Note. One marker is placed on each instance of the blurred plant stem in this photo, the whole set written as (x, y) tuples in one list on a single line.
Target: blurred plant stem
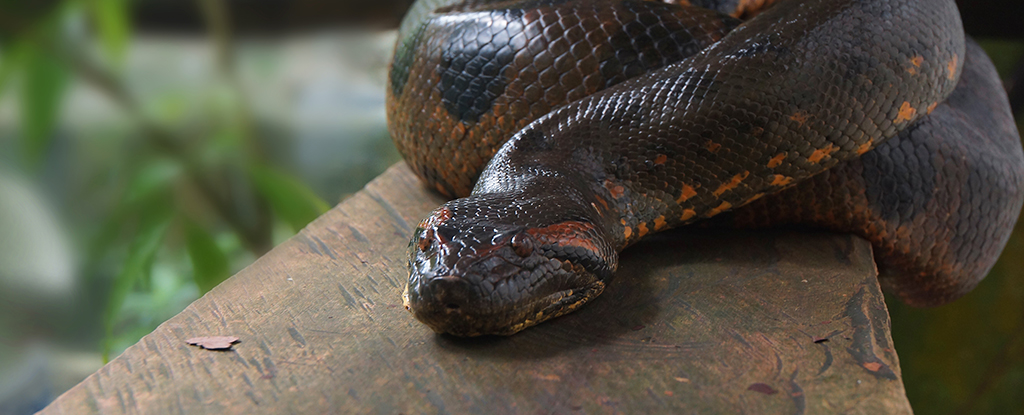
[(183, 187), (255, 232)]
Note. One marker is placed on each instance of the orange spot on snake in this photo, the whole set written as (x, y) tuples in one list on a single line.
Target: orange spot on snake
[(712, 146), (777, 160), (932, 107), (659, 223), (951, 67), (906, 113), (863, 148), (800, 117), (821, 153), (916, 62), (641, 230), (661, 159), (780, 180), (687, 214), (718, 209), (688, 192), (731, 184), (872, 366), (615, 189), (627, 232)]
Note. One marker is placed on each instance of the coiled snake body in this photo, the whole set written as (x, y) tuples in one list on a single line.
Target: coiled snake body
[(609, 120)]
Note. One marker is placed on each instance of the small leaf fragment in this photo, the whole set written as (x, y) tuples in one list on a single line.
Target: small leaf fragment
[(213, 342)]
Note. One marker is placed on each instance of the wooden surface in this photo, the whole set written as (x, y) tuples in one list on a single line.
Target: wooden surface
[(696, 321)]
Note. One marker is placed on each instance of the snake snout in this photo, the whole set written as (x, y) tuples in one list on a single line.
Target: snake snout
[(444, 295), (448, 304)]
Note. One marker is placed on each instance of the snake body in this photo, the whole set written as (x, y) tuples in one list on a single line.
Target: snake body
[(609, 120)]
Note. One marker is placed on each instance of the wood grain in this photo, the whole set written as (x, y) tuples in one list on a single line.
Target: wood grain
[(695, 321)]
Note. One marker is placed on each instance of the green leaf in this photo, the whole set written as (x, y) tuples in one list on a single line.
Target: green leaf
[(112, 23), (42, 92), (209, 263), (138, 264), (156, 177), (11, 57), (290, 199)]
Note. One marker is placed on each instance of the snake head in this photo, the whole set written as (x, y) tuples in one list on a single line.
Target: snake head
[(473, 272)]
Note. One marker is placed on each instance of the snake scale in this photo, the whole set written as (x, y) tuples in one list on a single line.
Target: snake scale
[(569, 130)]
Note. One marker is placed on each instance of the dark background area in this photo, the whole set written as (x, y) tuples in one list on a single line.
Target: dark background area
[(151, 148)]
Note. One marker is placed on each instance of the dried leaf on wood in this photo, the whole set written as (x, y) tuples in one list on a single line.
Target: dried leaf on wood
[(213, 342)]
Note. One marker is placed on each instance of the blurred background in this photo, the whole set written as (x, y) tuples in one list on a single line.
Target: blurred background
[(151, 148)]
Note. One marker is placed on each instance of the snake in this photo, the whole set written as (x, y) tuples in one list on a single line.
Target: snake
[(567, 131)]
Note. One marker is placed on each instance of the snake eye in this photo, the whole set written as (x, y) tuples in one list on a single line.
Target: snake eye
[(522, 245), (424, 244)]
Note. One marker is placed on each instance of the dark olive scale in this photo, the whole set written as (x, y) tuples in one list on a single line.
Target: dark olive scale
[(794, 91), (468, 75)]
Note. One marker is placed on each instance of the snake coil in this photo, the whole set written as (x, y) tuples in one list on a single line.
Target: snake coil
[(586, 125)]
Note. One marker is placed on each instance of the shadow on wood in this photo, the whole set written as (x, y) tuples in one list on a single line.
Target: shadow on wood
[(696, 320)]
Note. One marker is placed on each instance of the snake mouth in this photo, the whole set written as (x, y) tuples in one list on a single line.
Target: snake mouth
[(463, 321)]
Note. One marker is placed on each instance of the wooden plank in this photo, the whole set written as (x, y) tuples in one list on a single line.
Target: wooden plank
[(695, 320)]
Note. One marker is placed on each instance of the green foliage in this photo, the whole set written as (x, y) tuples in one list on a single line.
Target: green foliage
[(43, 88), (290, 199), (187, 190), (11, 58), (136, 267), (209, 263), (111, 17)]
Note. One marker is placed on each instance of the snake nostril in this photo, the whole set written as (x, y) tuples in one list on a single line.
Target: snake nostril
[(448, 295)]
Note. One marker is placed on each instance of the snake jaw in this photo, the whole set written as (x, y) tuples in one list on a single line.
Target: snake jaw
[(498, 279)]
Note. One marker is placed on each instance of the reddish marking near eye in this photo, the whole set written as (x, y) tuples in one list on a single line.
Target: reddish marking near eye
[(443, 215), (731, 184), (688, 192), (436, 218), (572, 233), (821, 153), (907, 112), (661, 159), (428, 236), (777, 160)]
